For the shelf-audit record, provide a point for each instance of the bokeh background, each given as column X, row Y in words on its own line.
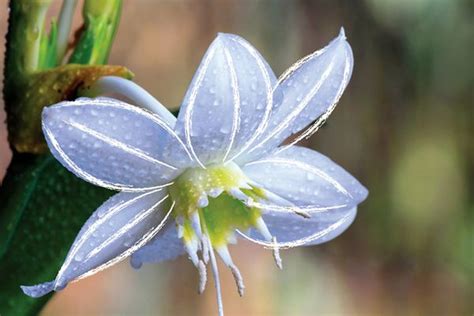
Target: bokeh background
column 404, row 128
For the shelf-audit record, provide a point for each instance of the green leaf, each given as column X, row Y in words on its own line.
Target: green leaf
column 42, row 208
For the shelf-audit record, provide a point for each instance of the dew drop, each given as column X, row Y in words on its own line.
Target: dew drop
column 224, row 129
column 79, row 257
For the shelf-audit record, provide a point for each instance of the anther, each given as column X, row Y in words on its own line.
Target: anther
column 276, row 254
column 239, row 281
column 223, row 252
column 202, row 276
column 205, row 250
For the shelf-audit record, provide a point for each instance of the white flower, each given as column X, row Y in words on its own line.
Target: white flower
column 193, row 184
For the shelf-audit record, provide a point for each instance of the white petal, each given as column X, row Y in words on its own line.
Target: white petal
column 228, row 102
column 166, row 245
column 122, row 225
column 291, row 230
column 307, row 178
column 113, row 144
column 310, row 90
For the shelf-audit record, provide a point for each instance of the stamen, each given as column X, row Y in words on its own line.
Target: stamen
column 239, row 195
column 205, row 250
column 192, row 248
column 232, row 239
column 263, row 229
column 239, row 281
column 215, row 192
column 223, row 252
column 217, row 282
column 202, row 276
column 276, row 254
column 196, row 223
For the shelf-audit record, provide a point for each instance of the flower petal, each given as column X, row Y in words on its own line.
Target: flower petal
column 113, row 144
column 291, row 230
column 307, row 179
column 310, row 90
column 166, row 245
column 118, row 228
column 229, row 101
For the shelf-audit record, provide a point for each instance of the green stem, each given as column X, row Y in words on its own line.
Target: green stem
column 25, row 33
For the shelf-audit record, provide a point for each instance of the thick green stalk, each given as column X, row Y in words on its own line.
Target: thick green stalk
column 24, row 37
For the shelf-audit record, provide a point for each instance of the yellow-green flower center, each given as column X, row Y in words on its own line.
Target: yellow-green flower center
column 209, row 192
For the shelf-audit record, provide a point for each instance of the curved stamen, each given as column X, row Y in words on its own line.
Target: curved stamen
column 239, row 281
column 276, row 254
column 263, row 229
column 225, row 256
column 130, row 90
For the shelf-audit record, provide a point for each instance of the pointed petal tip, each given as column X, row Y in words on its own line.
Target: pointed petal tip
column 38, row 290
column 221, row 37
column 226, row 37
column 342, row 33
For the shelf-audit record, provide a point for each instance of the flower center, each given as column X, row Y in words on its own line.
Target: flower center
column 211, row 201
column 209, row 205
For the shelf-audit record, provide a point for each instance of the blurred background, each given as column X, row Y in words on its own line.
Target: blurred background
column 404, row 128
